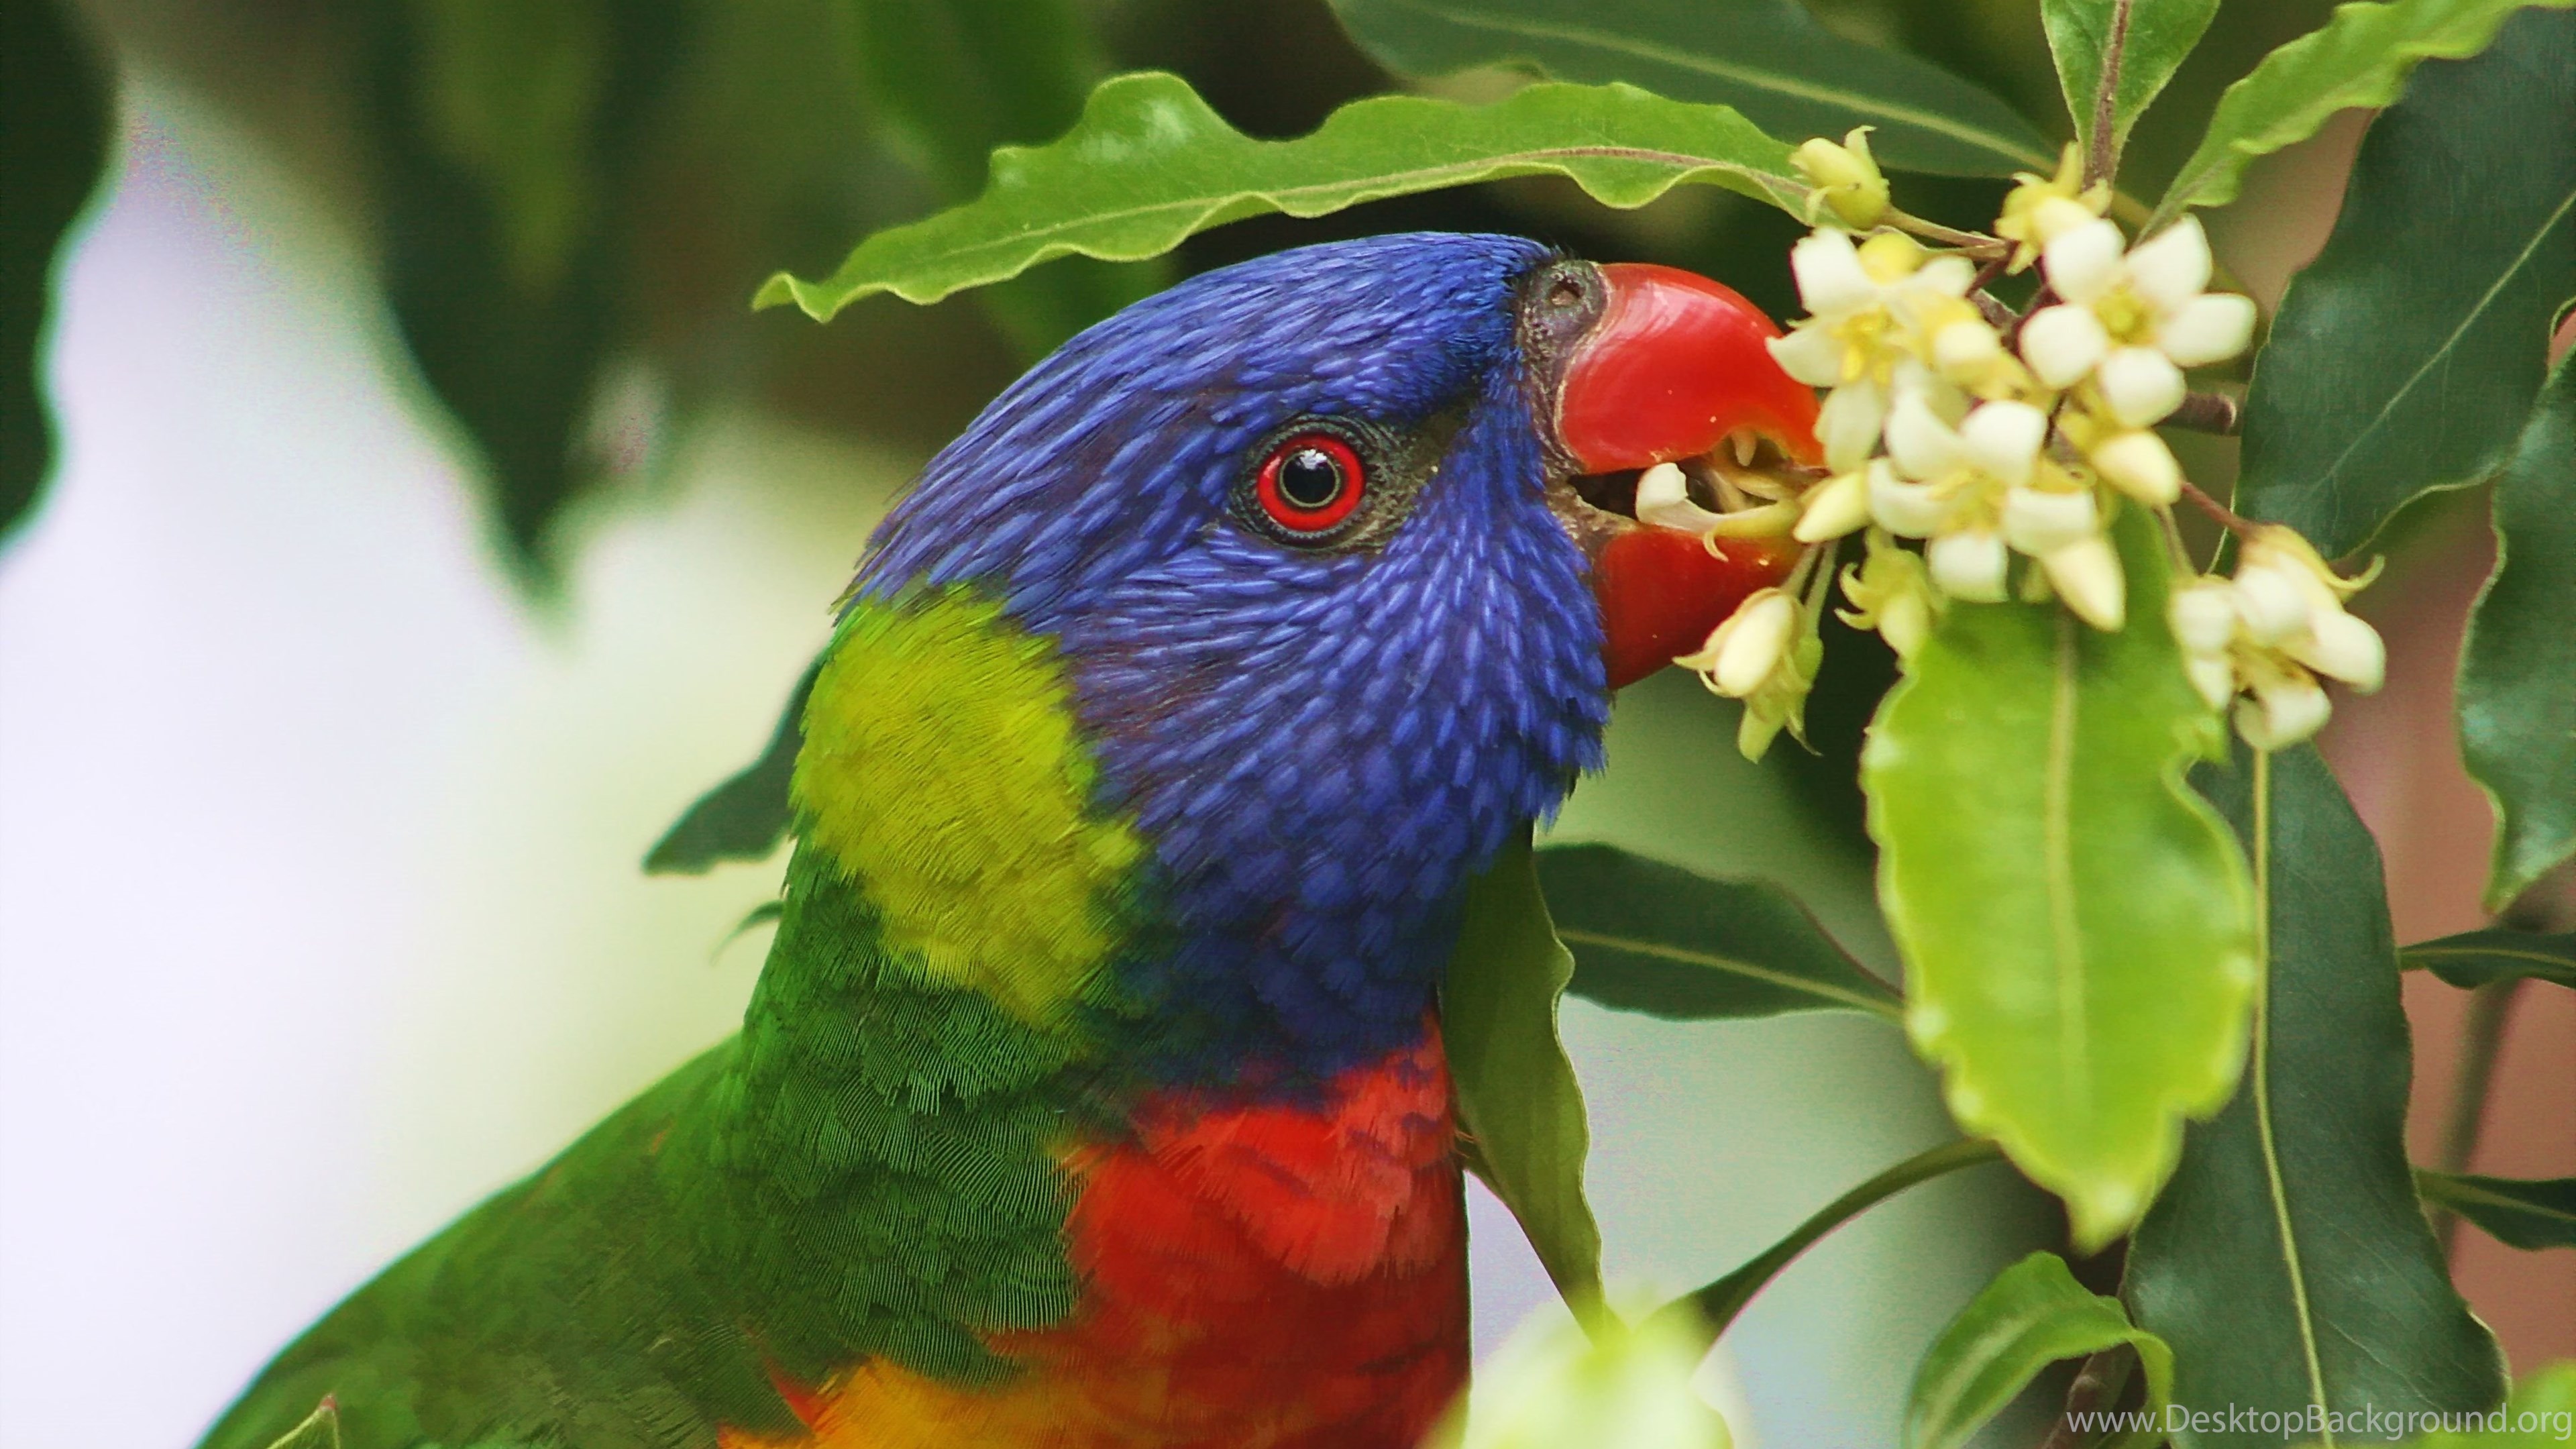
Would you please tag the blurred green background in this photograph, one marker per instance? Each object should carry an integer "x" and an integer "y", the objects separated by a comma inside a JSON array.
[{"x": 433, "y": 521}]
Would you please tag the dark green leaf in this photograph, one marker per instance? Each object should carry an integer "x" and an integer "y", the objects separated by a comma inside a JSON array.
[
  {"x": 745, "y": 817},
  {"x": 2053, "y": 883},
  {"x": 2387, "y": 376},
  {"x": 2154, "y": 35},
  {"x": 2033, "y": 1314},
  {"x": 2519, "y": 1214},
  {"x": 1766, "y": 58},
  {"x": 1517, "y": 1097},
  {"x": 2288, "y": 1262},
  {"x": 1715, "y": 1305},
  {"x": 53, "y": 144},
  {"x": 950, "y": 80},
  {"x": 2517, "y": 694},
  {"x": 1150, "y": 164},
  {"x": 2479, "y": 958},
  {"x": 320, "y": 1430},
  {"x": 2358, "y": 58},
  {"x": 1659, "y": 939},
  {"x": 509, "y": 134}
]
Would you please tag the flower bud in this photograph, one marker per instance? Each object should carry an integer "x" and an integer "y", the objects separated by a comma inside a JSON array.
[
  {"x": 2140, "y": 385},
  {"x": 2283, "y": 712},
  {"x": 2087, "y": 576},
  {"x": 1742, "y": 653},
  {"x": 1833, "y": 508},
  {"x": 1892, "y": 256},
  {"x": 1968, "y": 565},
  {"x": 2203, "y": 616},
  {"x": 1846, "y": 177},
  {"x": 2138, "y": 463},
  {"x": 2063, "y": 343},
  {"x": 2340, "y": 646}
]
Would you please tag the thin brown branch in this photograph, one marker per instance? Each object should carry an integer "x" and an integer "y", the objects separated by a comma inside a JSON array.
[
  {"x": 2208, "y": 412},
  {"x": 2097, "y": 1387},
  {"x": 1974, "y": 243},
  {"x": 2102, "y": 157},
  {"x": 2228, "y": 518}
]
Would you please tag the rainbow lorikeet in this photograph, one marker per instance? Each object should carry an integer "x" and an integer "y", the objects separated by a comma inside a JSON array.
[{"x": 1093, "y": 1094}]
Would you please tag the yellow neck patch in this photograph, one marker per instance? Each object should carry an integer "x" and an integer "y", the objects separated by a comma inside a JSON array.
[{"x": 942, "y": 775}]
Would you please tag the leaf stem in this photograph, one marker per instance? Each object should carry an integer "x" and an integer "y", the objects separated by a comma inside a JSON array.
[
  {"x": 2233, "y": 521},
  {"x": 1715, "y": 1307},
  {"x": 2261, "y": 1069},
  {"x": 1974, "y": 243},
  {"x": 2481, "y": 1036},
  {"x": 2102, "y": 156}
]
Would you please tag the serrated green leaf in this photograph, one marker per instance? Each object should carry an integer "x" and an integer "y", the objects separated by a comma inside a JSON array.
[
  {"x": 320, "y": 1430},
  {"x": 2033, "y": 1314},
  {"x": 2359, "y": 58},
  {"x": 1517, "y": 1097},
  {"x": 2517, "y": 691},
  {"x": 53, "y": 148},
  {"x": 950, "y": 80},
  {"x": 2481, "y": 958},
  {"x": 745, "y": 817},
  {"x": 2384, "y": 377},
  {"x": 2052, "y": 883},
  {"x": 2288, "y": 1263},
  {"x": 1150, "y": 164},
  {"x": 2520, "y": 1213},
  {"x": 1766, "y": 58},
  {"x": 1665, "y": 941},
  {"x": 2154, "y": 38}
]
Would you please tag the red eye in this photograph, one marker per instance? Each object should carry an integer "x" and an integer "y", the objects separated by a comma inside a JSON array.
[{"x": 1309, "y": 483}]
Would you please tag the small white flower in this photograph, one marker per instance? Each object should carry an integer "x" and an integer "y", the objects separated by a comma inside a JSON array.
[
  {"x": 2041, "y": 523},
  {"x": 2140, "y": 385},
  {"x": 1902, "y": 507},
  {"x": 2003, "y": 439},
  {"x": 2132, "y": 318},
  {"x": 2063, "y": 343},
  {"x": 1833, "y": 508},
  {"x": 2271, "y": 630},
  {"x": 1968, "y": 564},
  {"x": 2138, "y": 463},
  {"x": 2209, "y": 328},
  {"x": 1742, "y": 653},
  {"x": 2340, "y": 646},
  {"x": 2204, "y": 616},
  {"x": 1870, "y": 308},
  {"x": 2283, "y": 711}
]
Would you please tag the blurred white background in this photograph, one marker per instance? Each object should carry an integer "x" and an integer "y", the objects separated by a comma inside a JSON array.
[{"x": 320, "y": 915}]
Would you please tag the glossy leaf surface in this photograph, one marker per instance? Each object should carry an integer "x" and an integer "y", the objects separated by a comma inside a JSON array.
[
  {"x": 1766, "y": 58},
  {"x": 53, "y": 144},
  {"x": 2359, "y": 58},
  {"x": 2386, "y": 377},
  {"x": 1517, "y": 1096},
  {"x": 2479, "y": 958},
  {"x": 1150, "y": 163},
  {"x": 2052, "y": 883},
  {"x": 2032, "y": 1315},
  {"x": 2520, "y": 1213},
  {"x": 2517, "y": 692},
  {"x": 2154, "y": 38},
  {"x": 2288, "y": 1263},
  {"x": 1665, "y": 941}
]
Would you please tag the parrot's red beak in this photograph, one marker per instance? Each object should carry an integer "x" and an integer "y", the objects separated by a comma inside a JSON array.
[{"x": 1673, "y": 369}]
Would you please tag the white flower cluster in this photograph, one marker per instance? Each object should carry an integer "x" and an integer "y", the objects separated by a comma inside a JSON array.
[
  {"x": 2262, "y": 637},
  {"x": 1987, "y": 440}
]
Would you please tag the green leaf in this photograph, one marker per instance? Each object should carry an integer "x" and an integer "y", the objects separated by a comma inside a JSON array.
[
  {"x": 2358, "y": 58},
  {"x": 1517, "y": 1097},
  {"x": 2517, "y": 693},
  {"x": 950, "y": 80},
  {"x": 507, "y": 136},
  {"x": 1150, "y": 164},
  {"x": 745, "y": 817},
  {"x": 2386, "y": 377},
  {"x": 2033, "y": 1314},
  {"x": 320, "y": 1430},
  {"x": 1659, "y": 939},
  {"x": 1766, "y": 58},
  {"x": 1716, "y": 1305},
  {"x": 2053, "y": 884},
  {"x": 53, "y": 147},
  {"x": 2153, "y": 37},
  {"x": 2519, "y": 1214},
  {"x": 2479, "y": 958},
  {"x": 2288, "y": 1262}
]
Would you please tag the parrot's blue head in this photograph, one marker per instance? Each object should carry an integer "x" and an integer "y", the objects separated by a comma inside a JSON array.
[{"x": 1325, "y": 538}]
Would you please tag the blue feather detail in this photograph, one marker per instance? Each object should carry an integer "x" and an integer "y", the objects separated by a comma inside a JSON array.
[{"x": 1321, "y": 746}]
